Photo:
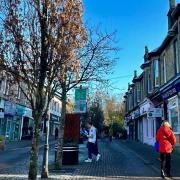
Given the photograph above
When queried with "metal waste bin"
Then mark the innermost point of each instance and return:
(70, 155)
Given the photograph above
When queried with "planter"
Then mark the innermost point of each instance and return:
(70, 155)
(2, 145)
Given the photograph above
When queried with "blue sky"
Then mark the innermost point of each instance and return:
(138, 23)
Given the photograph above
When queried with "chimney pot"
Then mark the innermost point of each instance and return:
(172, 4)
(135, 74)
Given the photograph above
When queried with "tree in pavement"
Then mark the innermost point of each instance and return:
(94, 63)
(37, 39)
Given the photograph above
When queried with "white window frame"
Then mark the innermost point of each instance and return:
(149, 81)
(176, 56)
(156, 72)
(1, 83)
(7, 88)
(138, 92)
(18, 91)
(164, 69)
(5, 83)
(170, 107)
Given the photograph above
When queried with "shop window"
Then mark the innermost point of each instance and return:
(174, 116)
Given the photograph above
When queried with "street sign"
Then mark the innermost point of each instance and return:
(80, 100)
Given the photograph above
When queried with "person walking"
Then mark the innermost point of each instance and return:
(166, 139)
(92, 143)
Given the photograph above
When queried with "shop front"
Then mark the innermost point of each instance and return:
(1, 115)
(148, 123)
(27, 125)
(136, 118)
(17, 122)
(7, 123)
(54, 124)
(171, 95)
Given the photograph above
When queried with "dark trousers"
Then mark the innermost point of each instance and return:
(92, 149)
(166, 163)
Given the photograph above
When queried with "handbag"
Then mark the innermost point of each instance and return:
(156, 146)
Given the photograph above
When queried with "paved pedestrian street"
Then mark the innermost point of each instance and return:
(119, 160)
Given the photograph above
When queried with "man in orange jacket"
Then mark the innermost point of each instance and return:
(166, 139)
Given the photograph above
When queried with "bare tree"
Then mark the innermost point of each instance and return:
(94, 62)
(37, 39)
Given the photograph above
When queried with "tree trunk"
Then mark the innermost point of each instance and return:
(61, 128)
(44, 173)
(33, 167)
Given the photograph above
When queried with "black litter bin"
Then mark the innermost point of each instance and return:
(70, 155)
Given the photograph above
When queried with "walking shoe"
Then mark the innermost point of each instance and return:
(88, 160)
(162, 174)
(98, 157)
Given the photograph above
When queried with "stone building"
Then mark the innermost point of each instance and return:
(155, 94)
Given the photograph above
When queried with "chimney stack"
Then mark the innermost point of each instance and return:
(172, 5)
(128, 86)
(135, 74)
(146, 54)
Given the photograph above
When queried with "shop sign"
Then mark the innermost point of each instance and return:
(9, 108)
(136, 113)
(2, 103)
(132, 115)
(169, 93)
(177, 86)
(155, 112)
(20, 110)
(145, 108)
(128, 118)
(174, 89)
(54, 117)
(1, 114)
(28, 112)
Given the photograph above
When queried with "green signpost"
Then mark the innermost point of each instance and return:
(80, 100)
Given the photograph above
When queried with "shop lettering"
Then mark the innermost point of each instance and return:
(169, 93)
